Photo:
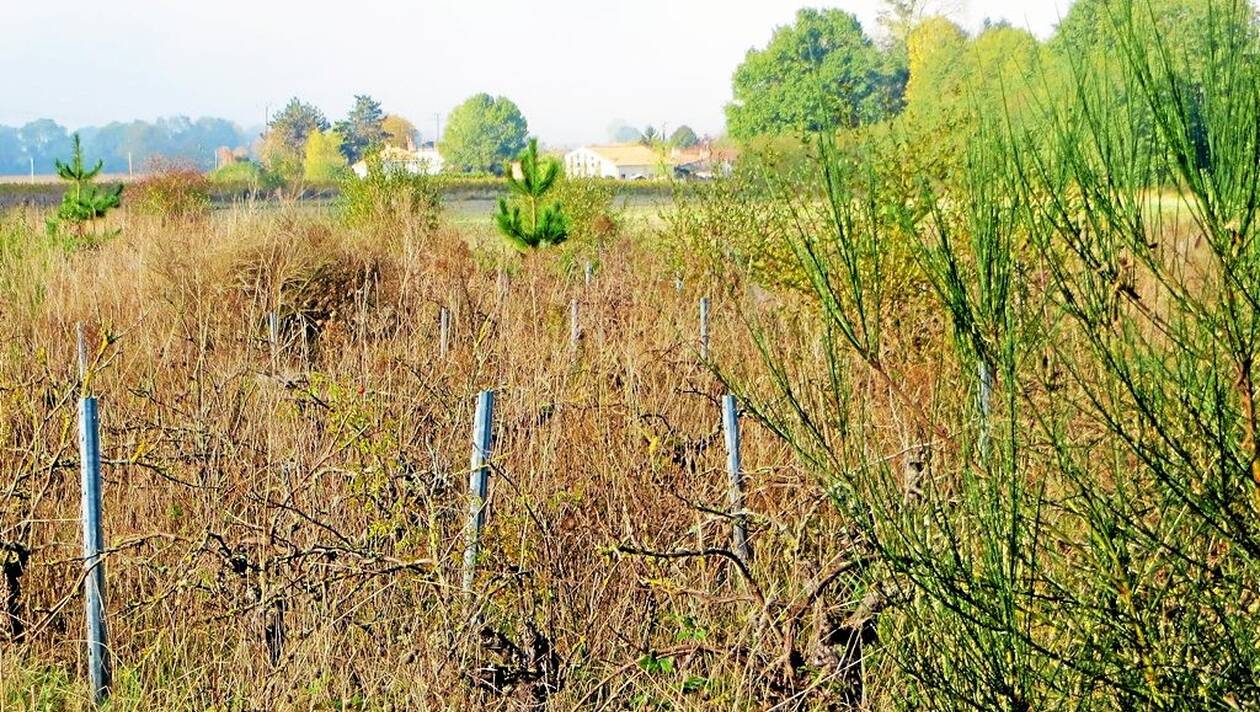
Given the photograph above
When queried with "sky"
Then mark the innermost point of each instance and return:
(575, 67)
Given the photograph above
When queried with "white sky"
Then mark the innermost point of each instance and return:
(573, 66)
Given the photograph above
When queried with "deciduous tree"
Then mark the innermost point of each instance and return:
(399, 132)
(324, 160)
(482, 133)
(818, 74)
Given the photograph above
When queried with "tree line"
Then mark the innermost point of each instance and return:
(924, 87)
(178, 137)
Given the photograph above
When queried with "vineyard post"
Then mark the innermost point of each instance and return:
(985, 396)
(730, 427)
(444, 331)
(704, 328)
(93, 534)
(478, 482)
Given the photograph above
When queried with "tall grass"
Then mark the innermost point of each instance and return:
(1081, 532)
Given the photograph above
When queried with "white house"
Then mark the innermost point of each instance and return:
(425, 160)
(626, 161)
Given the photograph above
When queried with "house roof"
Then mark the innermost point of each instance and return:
(395, 154)
(705, 153)
(626, 154)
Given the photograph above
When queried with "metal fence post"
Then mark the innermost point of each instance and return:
(478, 482)
(444, 331)
(588, 271)
(575, 328)
(730, 427)
(93, 536)
(704, 328)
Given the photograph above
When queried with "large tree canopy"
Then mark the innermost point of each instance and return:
(295, 122)
(482, 133)
(1187, 26)
(818, 74)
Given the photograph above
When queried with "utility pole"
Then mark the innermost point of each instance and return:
(129, 171)
(32, 169)
(437, 125)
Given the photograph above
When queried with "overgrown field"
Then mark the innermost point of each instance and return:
(999, 428)
(285, 524)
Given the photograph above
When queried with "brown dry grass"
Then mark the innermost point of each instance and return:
(285, 524)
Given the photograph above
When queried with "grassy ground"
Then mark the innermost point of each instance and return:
(284, 522)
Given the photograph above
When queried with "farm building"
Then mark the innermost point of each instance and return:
(704, 161)
(425, 160)
(626, 161)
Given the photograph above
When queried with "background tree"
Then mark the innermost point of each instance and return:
(818, 74)
(936, 50)
(482, 133)
(12, 158)
(362, 128)
(540, 223)
(295, 122)
(281, 159)
(177, 138)
(44, 140)
(399, 132)
(324, 159)
(622, 133)
(683, 137)
(650, 136)
(1090, 27)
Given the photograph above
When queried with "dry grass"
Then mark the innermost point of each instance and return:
(285, 524)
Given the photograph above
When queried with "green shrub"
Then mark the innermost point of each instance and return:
(589, 207)
(244, 176)
(389, 196)
(733, 224)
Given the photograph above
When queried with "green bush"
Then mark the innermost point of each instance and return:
(390, 196)
(589, 207)
(1067, 512)
(244, 177)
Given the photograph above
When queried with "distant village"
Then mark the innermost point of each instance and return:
(619, 161)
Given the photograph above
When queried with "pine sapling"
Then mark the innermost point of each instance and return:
(83, 202)
(540, 223)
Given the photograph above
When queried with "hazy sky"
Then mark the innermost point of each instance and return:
(573, 66)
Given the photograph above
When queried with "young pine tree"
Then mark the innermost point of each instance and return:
(540, 223)
(82, 202)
